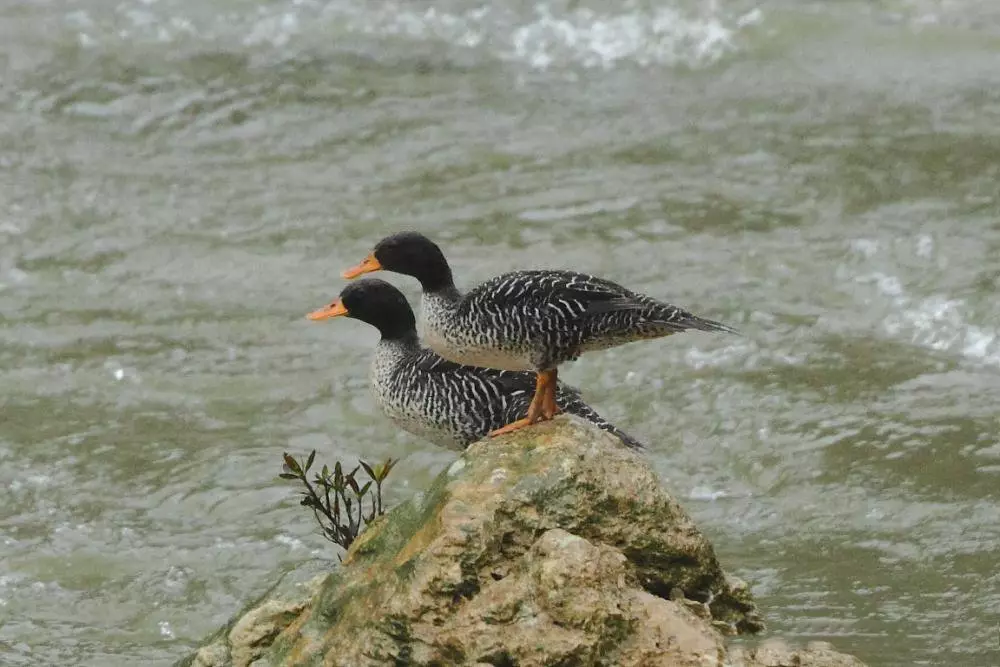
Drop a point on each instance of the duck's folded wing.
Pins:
(541, 295)
(670, 316)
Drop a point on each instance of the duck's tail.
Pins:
(669, 318)
(702, 324)
(568, 398)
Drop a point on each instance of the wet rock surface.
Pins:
(554, 545)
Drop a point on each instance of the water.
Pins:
(182, 181)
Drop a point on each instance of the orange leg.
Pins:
(549, 407)
(537, 401)
(543, 404)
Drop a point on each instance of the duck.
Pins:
(449, 404)
(528, 320)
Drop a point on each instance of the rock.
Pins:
(213, 655)
(554, 545)
(568, 601)
(253, 630)
(776, 653)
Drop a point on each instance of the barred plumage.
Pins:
(525, 320)
(537, 320)
(447, 403)
(454, 405)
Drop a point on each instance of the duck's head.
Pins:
(374, 302)
(411, 254)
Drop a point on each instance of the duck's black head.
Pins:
(411, 254)
(377, 303)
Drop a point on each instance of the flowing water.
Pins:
(181, 181)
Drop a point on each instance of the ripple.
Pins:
(541, 36)
(184, 179)
(938, 322)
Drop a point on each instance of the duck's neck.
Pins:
(436, 278)
(392, 352)
(404, 342)
(447, 294)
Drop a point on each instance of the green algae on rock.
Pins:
(554, 545)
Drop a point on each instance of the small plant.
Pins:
(337, 499)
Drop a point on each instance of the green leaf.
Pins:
(288, 475)
(326, 471)
(387, 467)
(309, 461)
(368, 469)
(292, 464)
(364, 489)
(353, 483)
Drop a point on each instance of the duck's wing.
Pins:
(568, 295)
(532, 289)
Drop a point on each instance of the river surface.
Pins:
(181, 181)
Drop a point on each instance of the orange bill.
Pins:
(367, 266)
(335, 309)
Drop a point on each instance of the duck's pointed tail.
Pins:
(702, 324)
(672, 319)
(569, 400)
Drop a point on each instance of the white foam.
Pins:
(982, 344)
(737, 352)
(166, 630)
(865, 247)
(992, 452)
(887, 285)
(8, 579)
(705, 493)
(289, 541)
(276, 30)
(935, 322)
(541, 36)
(925, 246)
(603, 40)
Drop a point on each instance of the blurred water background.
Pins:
(182, 180)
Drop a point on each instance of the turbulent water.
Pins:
(181, 181)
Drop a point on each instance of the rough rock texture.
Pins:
(553, 546)
(775, 653)
(253, 630)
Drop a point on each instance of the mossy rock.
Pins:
(554, 545)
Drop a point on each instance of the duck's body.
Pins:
(525, 320)
(449, 404)
(537, 320)
(453, 405)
